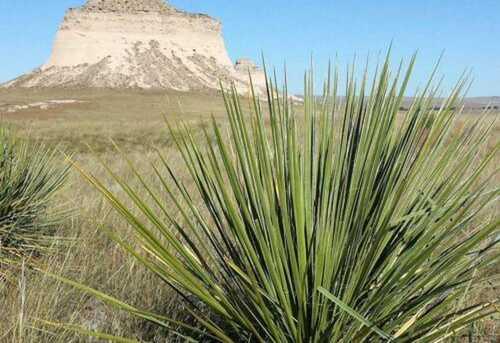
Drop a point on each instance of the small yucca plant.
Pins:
(30, 176)
(343, 221)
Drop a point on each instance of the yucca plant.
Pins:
(30, 176)
(336, 220)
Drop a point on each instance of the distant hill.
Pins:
(470, 104)
(482, 102)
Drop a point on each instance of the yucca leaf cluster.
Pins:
(339, 219)
(30, 175)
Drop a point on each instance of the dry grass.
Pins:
(134, 120)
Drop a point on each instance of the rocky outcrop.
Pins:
(128, 6)
(139, 43)
(246, 68)
(39, 105)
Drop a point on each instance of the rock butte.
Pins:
(139, 43)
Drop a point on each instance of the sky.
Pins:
(293, 31)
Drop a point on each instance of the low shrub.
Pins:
(344, 222)
(30, 176)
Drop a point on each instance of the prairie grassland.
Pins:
(133, 120)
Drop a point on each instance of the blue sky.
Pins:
(467, 30)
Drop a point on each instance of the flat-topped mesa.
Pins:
(126, 6)
(140, 44)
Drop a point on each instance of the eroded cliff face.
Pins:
(141, 43)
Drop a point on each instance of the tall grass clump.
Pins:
(336, 220)
(30, 176)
